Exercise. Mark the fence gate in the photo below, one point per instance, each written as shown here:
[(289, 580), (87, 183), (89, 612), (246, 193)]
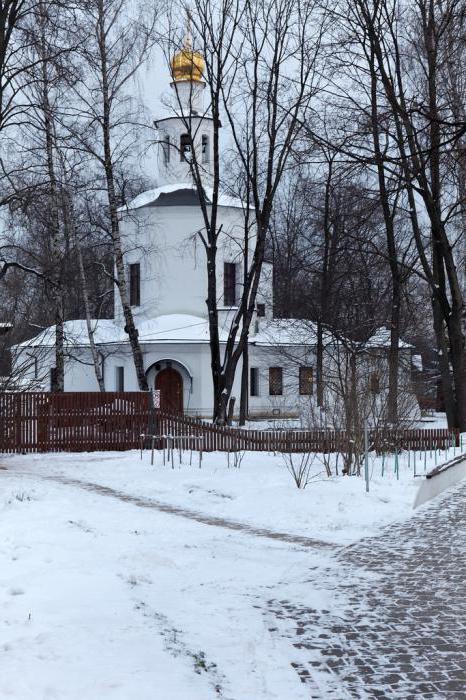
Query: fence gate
[(72, 422)]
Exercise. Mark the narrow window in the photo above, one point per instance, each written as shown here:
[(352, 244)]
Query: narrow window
[(305, 381), (229, 284), (102, 366), (261, 310), (205, 149), (254, 381), (135, 284), (375, 383), (53, 379), (275, 381), (185, 147), (120, 378), (166, 149)]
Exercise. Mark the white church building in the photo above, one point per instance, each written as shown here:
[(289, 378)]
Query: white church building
[(167, 281)]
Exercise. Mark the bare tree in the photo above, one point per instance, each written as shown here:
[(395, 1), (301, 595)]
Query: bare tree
[(42, 60), (116, 39), (260, 70), (409, 69)]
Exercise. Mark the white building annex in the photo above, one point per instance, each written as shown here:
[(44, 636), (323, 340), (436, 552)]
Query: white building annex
[(167, 281)]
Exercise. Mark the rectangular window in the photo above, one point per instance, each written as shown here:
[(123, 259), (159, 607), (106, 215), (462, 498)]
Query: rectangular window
[(275, 381), (261, 310), (205, 149), (254, 381), (305, 381), (166, 150), (185, 148), (229, 284), (135, 284), (375, 383), (120, 379)]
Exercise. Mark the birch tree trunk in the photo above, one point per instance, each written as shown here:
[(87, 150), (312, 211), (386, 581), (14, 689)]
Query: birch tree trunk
[(130, 326), (71, 227)]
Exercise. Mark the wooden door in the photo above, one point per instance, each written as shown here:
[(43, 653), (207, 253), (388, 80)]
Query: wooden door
[(170, 384)]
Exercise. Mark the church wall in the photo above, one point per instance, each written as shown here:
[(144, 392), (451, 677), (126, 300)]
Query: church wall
[(79, 371), (173, 268), (177, 170)]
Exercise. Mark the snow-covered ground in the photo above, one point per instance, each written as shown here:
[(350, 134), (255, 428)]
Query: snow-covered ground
[(260, 492), (431, 419), (103, 599)]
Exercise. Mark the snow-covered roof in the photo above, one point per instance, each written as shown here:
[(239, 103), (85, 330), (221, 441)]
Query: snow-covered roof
[(291, 331), (381, 339), (75, 332), (171, 328), (158, 197), (287, 331), (185, 328)]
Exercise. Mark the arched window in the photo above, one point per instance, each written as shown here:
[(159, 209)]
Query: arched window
[(205, 149), (185, 147), (166, 149)]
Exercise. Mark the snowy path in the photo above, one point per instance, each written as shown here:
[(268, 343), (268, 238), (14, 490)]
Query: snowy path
[(396, 627), (190, 514)]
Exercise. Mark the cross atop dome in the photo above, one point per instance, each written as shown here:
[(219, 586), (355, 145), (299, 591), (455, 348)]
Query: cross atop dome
[(188, 65)]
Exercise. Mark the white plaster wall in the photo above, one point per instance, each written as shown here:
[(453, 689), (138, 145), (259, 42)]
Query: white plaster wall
[(79, 371), (290, 359), (173, 265), (177, 170)]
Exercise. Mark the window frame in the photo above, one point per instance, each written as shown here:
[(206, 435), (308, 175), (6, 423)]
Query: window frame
[(254, 381), (276, 382), (134, 284), (303, 389), (205, 149), (374, 383), (185, 140), (230, 296), (166, 149)]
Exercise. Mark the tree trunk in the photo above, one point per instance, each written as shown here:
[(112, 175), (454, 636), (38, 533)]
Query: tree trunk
[(71, 226), (422, 160), (320, 365), (53, 213), (130, 327)]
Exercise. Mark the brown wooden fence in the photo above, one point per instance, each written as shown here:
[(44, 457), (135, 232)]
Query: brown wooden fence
[(319, 440), (81, 422), (72, 422)]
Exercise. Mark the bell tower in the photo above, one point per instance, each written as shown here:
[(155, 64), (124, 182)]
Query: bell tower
[(188, 132)]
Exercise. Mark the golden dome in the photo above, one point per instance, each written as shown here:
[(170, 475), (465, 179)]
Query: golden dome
[(188, 65)]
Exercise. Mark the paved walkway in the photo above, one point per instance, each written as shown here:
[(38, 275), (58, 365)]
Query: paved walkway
[(397, 628)]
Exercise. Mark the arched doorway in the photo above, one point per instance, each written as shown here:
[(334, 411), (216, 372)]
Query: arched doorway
[(170, 384)]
